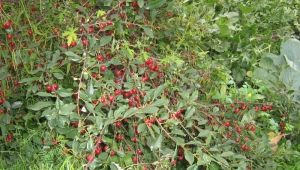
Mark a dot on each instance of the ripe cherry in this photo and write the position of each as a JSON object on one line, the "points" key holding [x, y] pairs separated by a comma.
{"points": [[256, 108], [49, 88], [55, 87], [112, 153], [9, 137], [227, 124], [29, 32], [2, 100], [135, 4], [103, 68], [100, 58], [98, 150], [102, 26], [90, 158], [245, 148], [103, 99], [139, 152], [134, 139], [236, 110], [118, 92], [180, 158], [73, 44], [238, 129], [119, 137], [106, 148], [135, 159], [111, 98], [264, 108], [9, 36], [118, 124], [85, 42], [7, 24]]}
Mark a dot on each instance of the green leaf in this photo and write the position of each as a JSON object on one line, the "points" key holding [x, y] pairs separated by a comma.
{"points": [[142, 127], [141, 3], [160, 102], [155, 4], [67, 109], [130, 112], [72, 56], [148, 32], [119, 111], [194, 96], [158, 91], [148, 109], [190, 112], [188, 155], [70, 34], [157, 143], [227, 154], [40, 105], [44, 94], [105, 40], [64, 92]]}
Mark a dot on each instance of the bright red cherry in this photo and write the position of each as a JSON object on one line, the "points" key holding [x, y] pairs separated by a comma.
{"points": [[29, 32], [118, 124], [90, 158], [85, 42], [227, 124], [103, 68], [139, 152], [73, 44], [98, 150], [100, 58], [119, 137], [9, 36], [135, 159], [134, 139], [135, 4], [118, 92], [112, 153], [49, 88], [105, 148], [7, 24]]}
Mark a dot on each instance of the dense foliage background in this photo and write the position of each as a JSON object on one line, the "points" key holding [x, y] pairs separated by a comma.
{"points": [[149, 84]]}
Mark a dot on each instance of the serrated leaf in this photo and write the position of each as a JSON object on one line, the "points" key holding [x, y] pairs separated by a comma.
{"points": [[64, 92], [130, 112], [67, 109], [142, 127], [119, 111], [40, 105], [189, 113], [157, 143]]}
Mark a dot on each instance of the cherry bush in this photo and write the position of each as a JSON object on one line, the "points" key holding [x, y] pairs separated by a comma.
{"points": [[117, 86]]}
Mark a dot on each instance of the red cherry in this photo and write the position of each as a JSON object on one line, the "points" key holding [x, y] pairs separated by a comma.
{"points": [[119, 137], [134, 139], [236, 110], [228, 135], [85, 42], [102, 26], [131, 103], [91, 29], [98, 150], [109, 23], [111, 98], [245, 148], [118, 124], [9, 137], [238, 129], [100, 58], [74, 124], [180, 151], [49, 88], [180, 158], [90, 158], [55, 87], [29, 32], [118, 73], [127, 95], [73, 44], [2, 100], [9, 36], [133, 91], [103, 68], [7, 24], [103, 99], [227, 124], [118, 92], [145, 78], [264, 108], [135, 4], [149, 62], [135, 159], [106, 148], [139, 152], [112, 153], [12, 45]]}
